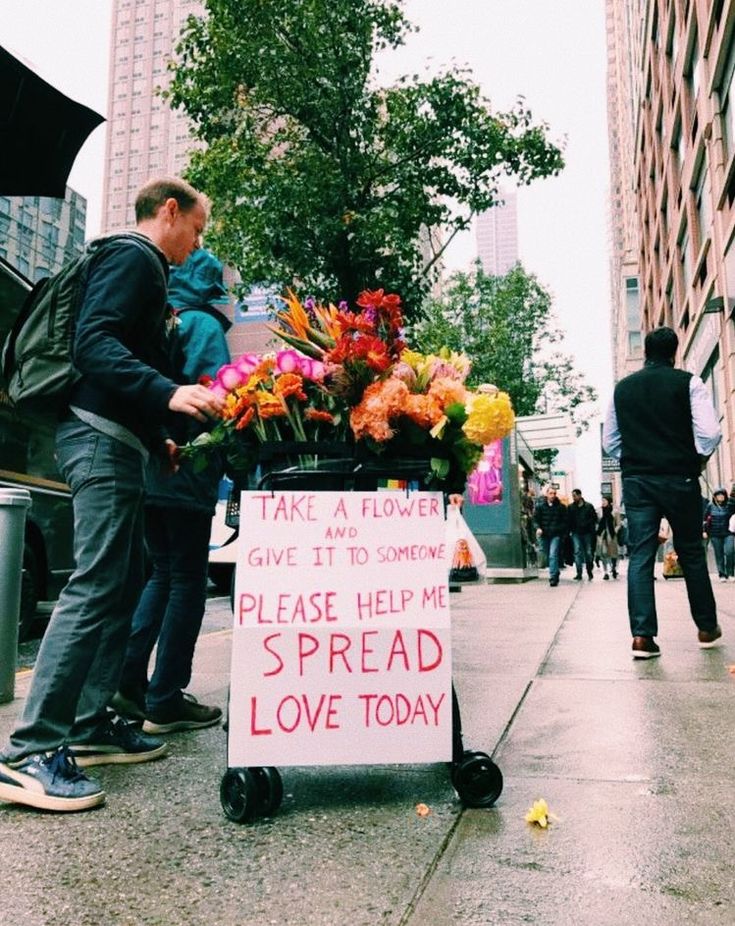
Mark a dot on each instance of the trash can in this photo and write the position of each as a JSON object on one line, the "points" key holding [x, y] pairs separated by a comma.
{"points": [[13, 506]]}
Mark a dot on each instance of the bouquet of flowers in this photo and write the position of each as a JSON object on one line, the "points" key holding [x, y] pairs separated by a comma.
{"points": [[348, 376]]}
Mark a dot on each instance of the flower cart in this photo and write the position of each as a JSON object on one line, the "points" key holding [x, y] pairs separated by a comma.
{"points": [[341, 641]]}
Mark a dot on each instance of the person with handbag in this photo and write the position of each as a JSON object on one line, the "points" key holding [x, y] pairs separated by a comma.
{"points": [[607, 538]]}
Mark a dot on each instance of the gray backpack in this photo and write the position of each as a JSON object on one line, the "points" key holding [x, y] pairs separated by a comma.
{"points": [[37, 366]]}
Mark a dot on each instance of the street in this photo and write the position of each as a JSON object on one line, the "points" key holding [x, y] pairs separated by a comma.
{"points": [[634, 760]]}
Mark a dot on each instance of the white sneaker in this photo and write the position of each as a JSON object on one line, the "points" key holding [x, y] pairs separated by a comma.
{"points": [[723, 578], [731, 578]]}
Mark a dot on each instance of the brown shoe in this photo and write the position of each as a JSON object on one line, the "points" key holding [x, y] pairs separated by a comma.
{"points": [[645, 648], [708, 638]]}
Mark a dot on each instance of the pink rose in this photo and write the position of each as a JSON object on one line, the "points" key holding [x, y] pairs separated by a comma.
{"points": [[288, 361], [229, 377]]}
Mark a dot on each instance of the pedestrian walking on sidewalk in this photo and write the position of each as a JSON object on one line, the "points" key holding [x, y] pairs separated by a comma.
{"points": [[716, 529], [662, 426], [118, 411], [552, 526], [178, 520], [582, 519], [607, 538]]}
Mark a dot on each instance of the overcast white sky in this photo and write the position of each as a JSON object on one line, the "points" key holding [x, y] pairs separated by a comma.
{"points": [[552, 53]]}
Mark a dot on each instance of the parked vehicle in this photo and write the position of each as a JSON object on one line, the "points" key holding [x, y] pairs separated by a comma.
{"points": [[27, 461]]}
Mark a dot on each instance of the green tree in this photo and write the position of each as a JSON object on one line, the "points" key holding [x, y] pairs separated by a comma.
{"points": [[320, 177], [507, 327]]}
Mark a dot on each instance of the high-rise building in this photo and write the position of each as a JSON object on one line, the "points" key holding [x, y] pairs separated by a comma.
{"points": [[39, 234], [145, 137], [681, 55], [496, 232], [624, 24]]}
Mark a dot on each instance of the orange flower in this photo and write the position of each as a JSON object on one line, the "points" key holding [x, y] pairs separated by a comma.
{"points": [[447, 391], [317, 414], [381, 401], [289, 384], [245, 419], [295, 317], [423, 409], [268, 405]]}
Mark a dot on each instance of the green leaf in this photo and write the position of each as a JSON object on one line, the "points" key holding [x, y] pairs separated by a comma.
{"points": [[440, 467]]}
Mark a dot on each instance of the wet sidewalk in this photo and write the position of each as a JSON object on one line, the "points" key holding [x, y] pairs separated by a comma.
{"points": [[634, 758]]}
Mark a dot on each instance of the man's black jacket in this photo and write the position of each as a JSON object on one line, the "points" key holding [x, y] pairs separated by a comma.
{"points": [[582, 518], [551, 518]]}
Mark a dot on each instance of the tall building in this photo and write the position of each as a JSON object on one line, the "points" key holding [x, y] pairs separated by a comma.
{"points": [[496, 232], [39, 234], [683, 91], [145, 137], [624, 25]]}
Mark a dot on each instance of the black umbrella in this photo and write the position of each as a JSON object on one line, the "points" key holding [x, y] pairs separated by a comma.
{"points": [[41, 132]]}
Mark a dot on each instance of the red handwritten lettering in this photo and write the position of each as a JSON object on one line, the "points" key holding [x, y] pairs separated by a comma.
{"points": [[289, 507], [267, 647]]}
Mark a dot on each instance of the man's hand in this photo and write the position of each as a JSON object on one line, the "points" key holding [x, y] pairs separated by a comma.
{"points": [[173, 452], [198, 401], [539, 532]]}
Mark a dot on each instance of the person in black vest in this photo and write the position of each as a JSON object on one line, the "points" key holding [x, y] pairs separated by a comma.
{"points": [[662, 427], [582, 523], [550, 518]]}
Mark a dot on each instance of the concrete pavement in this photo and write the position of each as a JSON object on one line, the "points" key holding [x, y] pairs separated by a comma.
{"points": [[634, 758]]}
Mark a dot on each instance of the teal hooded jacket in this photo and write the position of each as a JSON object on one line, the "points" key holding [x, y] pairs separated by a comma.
{"points": [[198, 348]]}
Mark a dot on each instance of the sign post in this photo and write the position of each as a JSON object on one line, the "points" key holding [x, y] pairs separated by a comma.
{"points": [[342, 644]]}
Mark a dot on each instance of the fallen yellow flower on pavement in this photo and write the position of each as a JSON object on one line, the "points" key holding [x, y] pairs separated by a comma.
{"points": [[731, 670], [422, 810], [539, 813]]}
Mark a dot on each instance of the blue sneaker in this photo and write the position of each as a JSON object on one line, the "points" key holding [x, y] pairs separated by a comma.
{"points": [[117, 742], [49, 781]]}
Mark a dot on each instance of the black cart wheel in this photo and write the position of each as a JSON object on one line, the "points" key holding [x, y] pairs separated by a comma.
{"points": [[238, 794], [477, 780], [268, 789]]}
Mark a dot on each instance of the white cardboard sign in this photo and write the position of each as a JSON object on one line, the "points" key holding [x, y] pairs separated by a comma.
{"points": [[341, 646]]}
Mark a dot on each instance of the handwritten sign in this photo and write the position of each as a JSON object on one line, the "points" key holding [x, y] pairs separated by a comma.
{"points": [[341, 645]]}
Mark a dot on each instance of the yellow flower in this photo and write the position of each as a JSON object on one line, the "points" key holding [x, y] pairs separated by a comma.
{"points": [[539, 814], [489, 417]]}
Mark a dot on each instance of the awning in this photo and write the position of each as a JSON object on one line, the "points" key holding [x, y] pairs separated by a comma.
{"points": [[546, 432], [41, 132]]}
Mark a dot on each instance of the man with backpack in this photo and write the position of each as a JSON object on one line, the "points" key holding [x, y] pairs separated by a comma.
{"points": [[118, 411]]}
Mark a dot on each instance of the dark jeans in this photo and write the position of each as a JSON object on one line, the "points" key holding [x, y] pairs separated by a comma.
{"points": [[551, 547], [171, 607], [722, 547], [648, 499], [584, 551], [78, 665]]}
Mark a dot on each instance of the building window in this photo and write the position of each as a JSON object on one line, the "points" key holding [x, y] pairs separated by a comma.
{"points": [[685, 262], [727, 98], [701, 202]]}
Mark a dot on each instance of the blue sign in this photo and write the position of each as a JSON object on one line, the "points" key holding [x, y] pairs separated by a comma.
{"points": [[258, 305]]}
